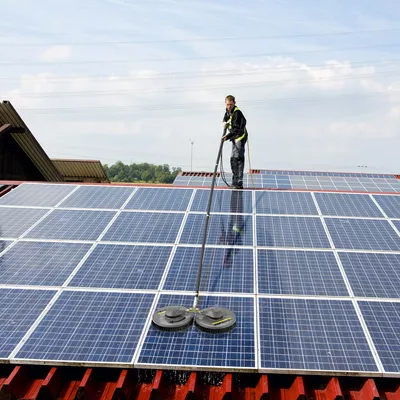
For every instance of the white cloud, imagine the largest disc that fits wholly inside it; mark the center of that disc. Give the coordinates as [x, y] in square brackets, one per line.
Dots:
[56, 53]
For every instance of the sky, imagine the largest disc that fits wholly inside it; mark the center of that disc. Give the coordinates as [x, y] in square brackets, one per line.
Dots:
[318, 82]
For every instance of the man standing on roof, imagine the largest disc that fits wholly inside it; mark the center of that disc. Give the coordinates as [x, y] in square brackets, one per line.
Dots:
[234, 124]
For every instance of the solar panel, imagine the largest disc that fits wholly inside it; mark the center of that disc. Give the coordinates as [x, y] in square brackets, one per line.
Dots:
[98, 197]
[72, 225]
[317, 335]
[231, 201]
[149, 227]
[299, 273]
[227, 230]
[389, 204]
[347, 205]
[383, 322]
[160, 199]
[18, 311]
[362, 234]
[40, 263]
[195, 348]
[124, 267]
[4, 244]
[40, 195]
[285, 203]
[225, 270]
[372, 274]
[89, 327]
[306, 232]
[15, 221]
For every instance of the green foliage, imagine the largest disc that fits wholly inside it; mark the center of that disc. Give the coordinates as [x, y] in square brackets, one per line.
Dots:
[120, 172]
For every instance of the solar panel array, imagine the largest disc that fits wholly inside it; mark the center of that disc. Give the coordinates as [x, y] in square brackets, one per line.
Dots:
[298, 180]
[312, 278]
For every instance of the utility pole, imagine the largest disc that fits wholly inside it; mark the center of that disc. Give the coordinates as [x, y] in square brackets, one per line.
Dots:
[191, 154]
[362, 167]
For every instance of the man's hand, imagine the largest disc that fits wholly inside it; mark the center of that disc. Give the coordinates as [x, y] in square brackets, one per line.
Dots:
[224, 124]
[223, 138]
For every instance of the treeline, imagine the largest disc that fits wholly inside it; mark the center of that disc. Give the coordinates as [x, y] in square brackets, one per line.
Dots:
[120, 172]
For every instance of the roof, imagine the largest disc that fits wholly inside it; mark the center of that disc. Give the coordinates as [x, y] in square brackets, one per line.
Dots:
[78, 169]
[25, 139]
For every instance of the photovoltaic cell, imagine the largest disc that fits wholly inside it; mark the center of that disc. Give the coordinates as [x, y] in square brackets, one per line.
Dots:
[389, 204]
[299, 273]
[125, 267]
[362, 234]
[89, 327]
[285, 203]
[192, 347]
[230, 230]
[224, 270]
[320, 335]
[347, 205]
[42, 195]
[18, 311]
[373, 275]
[306, 232]
[231, 201]
[98, 197]
[15, 221]
[383, 322]
[4, 244]
[72, 225]
[160, 199]
[148, 227]
[40, 263]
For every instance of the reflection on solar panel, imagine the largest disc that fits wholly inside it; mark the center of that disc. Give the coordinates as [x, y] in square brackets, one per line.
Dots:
[373, 275]
[160, 199]
[18, 311]
[304, 232]
[40, 263]
[312, 335]
[128, 267]
[383, 322]
[362, 234]
[97, 197]
[340, 204]
[88, 326]
[299, 272]
[41, 195]
[15, 221]
[225, 270]
[192, 347]
[389, 204]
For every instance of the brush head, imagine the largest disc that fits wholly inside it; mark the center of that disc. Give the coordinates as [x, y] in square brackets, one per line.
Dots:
[215, 320]
[172, 318]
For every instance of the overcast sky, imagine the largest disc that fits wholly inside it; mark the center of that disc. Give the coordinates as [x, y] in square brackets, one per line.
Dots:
[318, 81]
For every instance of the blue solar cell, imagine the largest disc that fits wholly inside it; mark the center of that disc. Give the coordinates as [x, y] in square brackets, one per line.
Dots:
[98, 197]
[235, 349]
[42, 195]
[18, 311]
[351, 205]
[390, 205]
[127, 267]
[89, 327]
[397, 225]
[305, 232]
[285, 203]
[72, 225]
[230, 230]
[3, 245]
[224, 270]
[15, 221]
[231, 201]
[299, 272]
[320, 335]
[40, 263]
[160, 199]
[145, 227]
[363, 234]
[383, 322]
[372, 275]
